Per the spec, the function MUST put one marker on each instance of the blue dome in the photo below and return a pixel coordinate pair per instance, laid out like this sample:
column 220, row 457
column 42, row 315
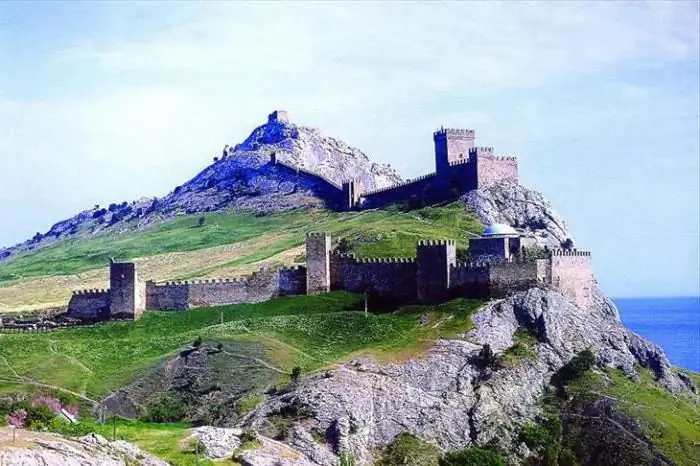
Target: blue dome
column 499, row 229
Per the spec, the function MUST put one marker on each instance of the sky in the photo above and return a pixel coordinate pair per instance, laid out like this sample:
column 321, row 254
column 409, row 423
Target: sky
column 106, row 102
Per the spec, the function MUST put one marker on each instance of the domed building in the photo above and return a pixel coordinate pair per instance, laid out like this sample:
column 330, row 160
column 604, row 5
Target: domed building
column 499, row 241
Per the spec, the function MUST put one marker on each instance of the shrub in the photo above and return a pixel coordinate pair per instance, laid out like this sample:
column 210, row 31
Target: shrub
column 567, row 243
column 296, row 372
column 408, row 450
column 575, row 368
column 201, row 221
column 165, row 408
column 347, row 459
column 473, row 456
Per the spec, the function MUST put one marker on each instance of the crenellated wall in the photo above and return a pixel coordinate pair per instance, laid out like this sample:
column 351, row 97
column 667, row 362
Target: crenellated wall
column 257, row 287
column 491, row 170
column 470, row 279
column 571, row 274
column 435, row 259
column 89, row 304
column 509, row 277
column 386, row 277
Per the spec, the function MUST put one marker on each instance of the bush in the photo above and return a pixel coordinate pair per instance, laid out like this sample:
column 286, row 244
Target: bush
column 296, row 372
column 473, row 456
column 165, row 408
column 408, row 450
column 575, row 368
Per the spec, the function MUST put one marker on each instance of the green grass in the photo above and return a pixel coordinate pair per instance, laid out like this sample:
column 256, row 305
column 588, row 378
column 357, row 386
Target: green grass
column 397, row 231
column 671, row 421
column 308, row 331
column 521, row 350
column 161, row 440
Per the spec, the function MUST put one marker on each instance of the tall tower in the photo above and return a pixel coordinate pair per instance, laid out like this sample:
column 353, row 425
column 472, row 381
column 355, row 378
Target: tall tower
column 434, row 259
column 127, row 293
column 318, row 263
column 451, row 145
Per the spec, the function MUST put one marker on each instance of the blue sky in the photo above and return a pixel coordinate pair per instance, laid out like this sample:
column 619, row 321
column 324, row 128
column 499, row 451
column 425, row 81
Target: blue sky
column 103, row 102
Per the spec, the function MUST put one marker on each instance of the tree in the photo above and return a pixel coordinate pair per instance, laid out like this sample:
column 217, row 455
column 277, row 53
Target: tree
column 567, row 244
column 296, row 372
column 201, row 221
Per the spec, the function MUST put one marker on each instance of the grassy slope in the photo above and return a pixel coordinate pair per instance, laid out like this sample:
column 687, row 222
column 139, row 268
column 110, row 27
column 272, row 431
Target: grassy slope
column 308, row 331
column 397, row 230
column 670, row 421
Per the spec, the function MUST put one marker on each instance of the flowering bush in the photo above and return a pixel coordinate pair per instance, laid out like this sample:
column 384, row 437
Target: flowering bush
column 17, row 419
column 52, row 403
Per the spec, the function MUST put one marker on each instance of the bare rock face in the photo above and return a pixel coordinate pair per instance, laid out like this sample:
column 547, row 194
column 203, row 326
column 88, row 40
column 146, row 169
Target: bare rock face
column 521, row 208
column 447, row 396
column 33, row 448
column 240, row 177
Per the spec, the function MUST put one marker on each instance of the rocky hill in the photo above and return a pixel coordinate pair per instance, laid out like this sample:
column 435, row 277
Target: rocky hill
column 241, row 177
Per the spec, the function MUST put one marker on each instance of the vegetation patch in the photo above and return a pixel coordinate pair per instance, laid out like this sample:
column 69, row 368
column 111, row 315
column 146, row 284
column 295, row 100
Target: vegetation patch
column 408, row 450
column 522, row 349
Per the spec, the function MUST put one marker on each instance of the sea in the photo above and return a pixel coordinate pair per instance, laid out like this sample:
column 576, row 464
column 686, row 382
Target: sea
column 672, row 323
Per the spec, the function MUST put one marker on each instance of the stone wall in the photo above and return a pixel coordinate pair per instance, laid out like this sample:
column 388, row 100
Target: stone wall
column 257, row 287
column 491, row 170
column 571, row 274
column 509, row 277
column 386, row 277
column 89, row 304
column 419, row 188
column 469, row 280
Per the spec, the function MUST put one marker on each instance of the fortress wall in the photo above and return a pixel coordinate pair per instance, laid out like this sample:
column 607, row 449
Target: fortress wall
column 508, row 277
column 469, row 280
column 292, row 281
column 419, row 187
column 171, row 296
column 386, row 277
column 320, row 185
column 572, row 275
column 89, row 304
column 318, row 249
column 491, row 170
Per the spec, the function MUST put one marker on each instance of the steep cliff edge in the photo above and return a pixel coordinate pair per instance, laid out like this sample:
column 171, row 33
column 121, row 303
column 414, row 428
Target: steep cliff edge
column 449, row 396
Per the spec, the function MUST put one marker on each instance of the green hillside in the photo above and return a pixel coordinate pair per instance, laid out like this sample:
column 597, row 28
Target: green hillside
column 385, row 233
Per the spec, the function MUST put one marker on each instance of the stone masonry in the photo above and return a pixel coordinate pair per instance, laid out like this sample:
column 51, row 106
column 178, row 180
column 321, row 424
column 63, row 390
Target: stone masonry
column 433, row 276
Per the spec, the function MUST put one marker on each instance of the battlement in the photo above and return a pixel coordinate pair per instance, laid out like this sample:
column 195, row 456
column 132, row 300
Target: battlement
column 482, row 150
column 475, row 264
column 458, row 132
column 569, row 252
column 343, row 255
column 387, row 260
column 400, row 185
column 92, row 292
column 436, row 242
column 459, row 162
column 317, row 234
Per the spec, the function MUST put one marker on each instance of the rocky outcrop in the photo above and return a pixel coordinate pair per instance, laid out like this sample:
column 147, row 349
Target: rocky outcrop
column 447, row 396
column 522, row 208
column 240, row 177
column 34, row 448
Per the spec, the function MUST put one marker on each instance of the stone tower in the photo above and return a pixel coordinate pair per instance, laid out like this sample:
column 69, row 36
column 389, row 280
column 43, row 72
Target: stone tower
column 452, row 146
column 318, row 263
column 127, row 293
column 351, row 194
column 434, row 259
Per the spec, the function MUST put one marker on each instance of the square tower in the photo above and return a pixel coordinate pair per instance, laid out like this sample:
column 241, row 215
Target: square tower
column 318, row 263
column 434, row 259
column 127, row 294
column 452, row 146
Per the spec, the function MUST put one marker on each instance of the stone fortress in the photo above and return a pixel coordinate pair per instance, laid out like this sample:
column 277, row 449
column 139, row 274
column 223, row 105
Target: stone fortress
column 497, row 266
column 498, row 262
column 460, row 167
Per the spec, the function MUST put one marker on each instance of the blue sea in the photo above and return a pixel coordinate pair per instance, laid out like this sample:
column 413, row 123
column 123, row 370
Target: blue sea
column 672, row 323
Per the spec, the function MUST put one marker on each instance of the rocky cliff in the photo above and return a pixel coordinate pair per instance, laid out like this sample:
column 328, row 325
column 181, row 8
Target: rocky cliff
column 448, row 396
column 35, row 448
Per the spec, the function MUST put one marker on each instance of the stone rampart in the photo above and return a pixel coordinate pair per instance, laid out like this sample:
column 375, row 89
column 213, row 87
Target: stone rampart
column 385, row 277
column 418, row 188
column 89, row 304
column 435, row 259
column 508, row 277
column 491, row 170
column 470, row 279
column 571, row 274
column 257, row 287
